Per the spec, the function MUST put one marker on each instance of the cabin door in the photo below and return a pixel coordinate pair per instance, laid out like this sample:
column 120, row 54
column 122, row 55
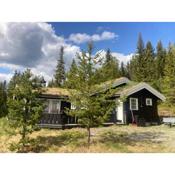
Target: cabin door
column 120, row 112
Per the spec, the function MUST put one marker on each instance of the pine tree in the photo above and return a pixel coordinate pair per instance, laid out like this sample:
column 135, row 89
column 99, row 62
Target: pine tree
column 24, row 107
column 60, row 70
column 91, row 108
column 13, row 82
column 3, row 99
column 70, row 76
column 169, row 77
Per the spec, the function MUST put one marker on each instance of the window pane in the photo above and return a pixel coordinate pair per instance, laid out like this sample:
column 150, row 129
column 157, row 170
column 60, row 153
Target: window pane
column 133, row 104
column 149, row 102
column 46, row 107
column 55, row 107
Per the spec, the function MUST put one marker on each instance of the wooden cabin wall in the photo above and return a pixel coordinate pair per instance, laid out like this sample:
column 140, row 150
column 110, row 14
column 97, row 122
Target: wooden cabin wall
column 149, row 113
column 58, row 119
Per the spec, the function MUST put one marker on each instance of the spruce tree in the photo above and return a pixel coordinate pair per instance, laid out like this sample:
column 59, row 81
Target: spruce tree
column 132, row 68
column 142, row 65
column 70, row 76
column 160, row 60
column 123, row 72
column 108, row 56
column 60, row 70
column 128, row 71
column 149, row 66
column 168, row 85
column 110, row 67
column 159, row 66
column 137, row 64
column 140, row 46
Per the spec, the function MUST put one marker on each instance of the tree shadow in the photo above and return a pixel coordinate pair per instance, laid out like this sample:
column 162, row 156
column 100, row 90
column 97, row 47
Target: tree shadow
column 131, row 139
column 43, row 143
column 111, row 139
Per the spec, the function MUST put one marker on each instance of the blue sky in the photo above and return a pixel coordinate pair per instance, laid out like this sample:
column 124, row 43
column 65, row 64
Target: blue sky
column 127, row 33
column 36, row 45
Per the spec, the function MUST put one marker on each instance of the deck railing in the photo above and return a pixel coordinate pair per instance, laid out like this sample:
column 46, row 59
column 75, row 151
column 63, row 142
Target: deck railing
column 58, row 119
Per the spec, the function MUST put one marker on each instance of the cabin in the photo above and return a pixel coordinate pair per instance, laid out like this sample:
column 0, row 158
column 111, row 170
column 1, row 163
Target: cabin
column 55, row 102
column 136, row 103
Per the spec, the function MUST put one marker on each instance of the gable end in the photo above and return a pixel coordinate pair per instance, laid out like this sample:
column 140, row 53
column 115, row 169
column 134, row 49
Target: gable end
column 142, row 86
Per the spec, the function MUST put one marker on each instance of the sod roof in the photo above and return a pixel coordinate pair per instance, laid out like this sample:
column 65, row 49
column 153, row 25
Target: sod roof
column 122, row 86
column 56, row 91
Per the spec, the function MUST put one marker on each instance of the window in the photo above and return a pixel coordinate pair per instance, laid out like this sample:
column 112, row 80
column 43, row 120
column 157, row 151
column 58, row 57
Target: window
column 46, row 106
column 149, row 102
column 133, row 104
column 54, row 107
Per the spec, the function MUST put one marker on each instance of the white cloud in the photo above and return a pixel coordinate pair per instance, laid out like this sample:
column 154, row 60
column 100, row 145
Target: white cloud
column 36, row 46
column 6, row 77
column 102, row 28
column 32, row 45
column 108, row 35
column 79, row 38
column 122, row 58
column 119, row 56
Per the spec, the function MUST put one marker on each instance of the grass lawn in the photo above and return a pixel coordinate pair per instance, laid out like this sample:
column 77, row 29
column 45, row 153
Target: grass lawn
column 125, row 139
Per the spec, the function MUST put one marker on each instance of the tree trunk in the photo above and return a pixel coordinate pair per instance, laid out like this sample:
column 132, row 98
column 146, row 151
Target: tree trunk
column 23, row 135
column 89, row 136
column 24, row 129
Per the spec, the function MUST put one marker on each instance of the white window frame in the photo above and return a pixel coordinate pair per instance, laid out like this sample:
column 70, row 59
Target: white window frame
column 150, row 100
column 137, row 105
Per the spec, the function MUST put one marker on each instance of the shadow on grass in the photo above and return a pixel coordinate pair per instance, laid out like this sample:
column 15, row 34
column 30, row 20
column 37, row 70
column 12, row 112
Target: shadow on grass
column 43, row 143
column 123, row 139
column 111, row 140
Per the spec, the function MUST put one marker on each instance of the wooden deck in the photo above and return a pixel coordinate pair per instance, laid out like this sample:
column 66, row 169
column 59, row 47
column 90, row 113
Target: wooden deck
column 62, row 121
column 57, row 121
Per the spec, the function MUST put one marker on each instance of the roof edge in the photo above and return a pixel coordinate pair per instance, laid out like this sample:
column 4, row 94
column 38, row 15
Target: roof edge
column 141, row 86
